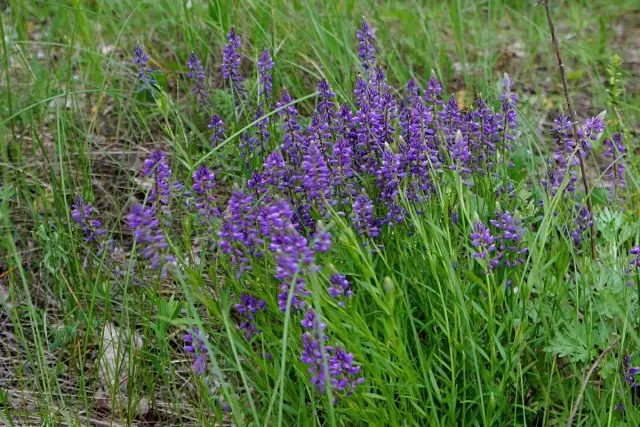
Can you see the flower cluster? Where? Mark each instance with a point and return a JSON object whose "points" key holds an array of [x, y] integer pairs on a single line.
{"points": [[195, 344], [217, 130], [630, 372], [340, 288], [196, 73], [367, 49], [156, 165], [203, 189], [82, 214], [247, 309], [231, 64], [582, 222], [144, 72], [147, 232], [504, 245], [484, 243], [635, 262], [565, 158], [340, 371], [369, 163], [265, 65]]}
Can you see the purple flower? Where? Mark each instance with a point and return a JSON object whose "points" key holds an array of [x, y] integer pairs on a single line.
{"points": [[314, 323], [367, 49], [565, 158], [316, 175], [565, 155], [555, 178], [582, 222], [419, 152], [509, 102], [195, 344], [265, 65], [156, 165], [389, 177], [362, 216], [231, 64], [321, 240], [433, 92], [504, 245], [340, 288], [342, 174], [205, 201], [630, 371], [509, 235], [247, 309], [342, 374], [239, 233], [196, 73], [82, 213], [615, 150], [591, 131], [217, 130], [636, 252], [290, 250], [144, 72], [276, 173], [150, 236], [483, 241]]}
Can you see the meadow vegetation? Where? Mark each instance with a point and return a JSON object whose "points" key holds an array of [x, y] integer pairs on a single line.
{"points": [[319, 213]]}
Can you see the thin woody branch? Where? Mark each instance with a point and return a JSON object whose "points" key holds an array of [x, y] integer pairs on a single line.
{"points": [[574, 122]]}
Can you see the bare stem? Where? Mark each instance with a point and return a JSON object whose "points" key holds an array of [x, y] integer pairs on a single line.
{"points": [[574, 122]]}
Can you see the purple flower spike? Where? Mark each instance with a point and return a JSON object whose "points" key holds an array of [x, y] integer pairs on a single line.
{"points": [[239, 234], [292, 143], [82, 213], [502, 247], [316, 177], [636, 252], [509, 235], [362, 216], [433, 92], [367, 50], [194, 343], [196, 73], [231, 64], [313, 322], [217, 130], [342, 374], [265, 65], [509, 102], [590, 132], [482, 240], [340, 288], [148, 234], [156, 165], [582, 222], [630, 372], [321, 240], [205, 201], [248, 307], [144, 72]]}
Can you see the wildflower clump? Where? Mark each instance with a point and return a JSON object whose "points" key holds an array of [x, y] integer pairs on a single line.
{"points": [[305, 204]]}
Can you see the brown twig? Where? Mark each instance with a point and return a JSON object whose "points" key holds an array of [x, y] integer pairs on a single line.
{"points": [[574, 122]]}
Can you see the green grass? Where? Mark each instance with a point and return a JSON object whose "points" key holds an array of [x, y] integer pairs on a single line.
{"points": [[439, 342]]}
